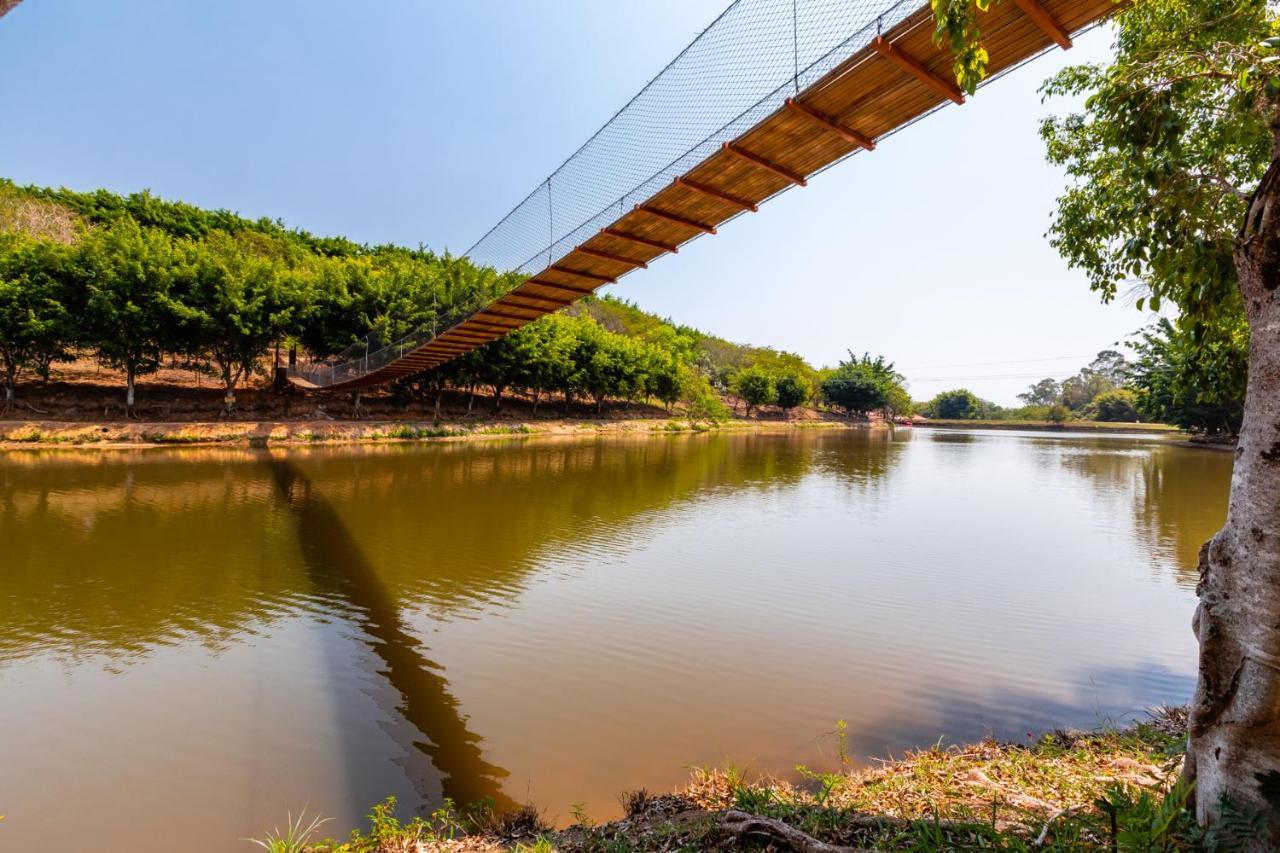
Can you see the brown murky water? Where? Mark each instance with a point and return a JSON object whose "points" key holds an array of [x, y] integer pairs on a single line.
{"points": [[195, 642]]}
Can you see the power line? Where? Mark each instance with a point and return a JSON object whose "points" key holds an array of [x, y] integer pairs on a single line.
{"points": [[996, 363]]}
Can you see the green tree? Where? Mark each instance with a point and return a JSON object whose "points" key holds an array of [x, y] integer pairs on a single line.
{"points": [[666, 375], [701, 401], [791, 390], [238, 304], [1046, 392], [36, 326], [860, 385], [959, 404], [500, 366], [1118, 404], [754, 385], [897, 401], [1176, 183], [1198, 385], [545, 351], [131, 312]]}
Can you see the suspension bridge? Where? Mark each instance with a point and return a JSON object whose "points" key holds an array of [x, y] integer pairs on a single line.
{"points": [[769, 95]]}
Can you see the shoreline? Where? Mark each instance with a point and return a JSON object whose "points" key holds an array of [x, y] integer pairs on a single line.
{"points": [[116, 435], [1062, 791]]}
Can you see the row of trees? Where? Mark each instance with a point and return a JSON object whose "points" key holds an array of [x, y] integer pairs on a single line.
{"points": [[575, 357], [217, 301], [135, 280]]}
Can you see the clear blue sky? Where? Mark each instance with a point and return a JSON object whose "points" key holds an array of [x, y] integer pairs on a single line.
{"points": [[425, 122]]}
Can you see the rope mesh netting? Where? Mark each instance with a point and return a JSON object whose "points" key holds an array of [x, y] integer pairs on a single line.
{"points": [[735, 73]]}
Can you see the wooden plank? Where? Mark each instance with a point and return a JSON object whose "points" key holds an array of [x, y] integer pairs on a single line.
{"points": [[542, 282], [603, 279], [829, 123], [552, 299], [912, 66], [671, 217], [712, 192], [609, 256], [1046, 22], [768, 165], [489, 327], [493, 312]]}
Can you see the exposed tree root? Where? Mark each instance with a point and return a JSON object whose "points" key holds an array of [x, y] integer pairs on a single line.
{"points": [[776, 832]]}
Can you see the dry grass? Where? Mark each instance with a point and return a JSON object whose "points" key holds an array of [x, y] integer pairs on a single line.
{"points": [[37, 218]]}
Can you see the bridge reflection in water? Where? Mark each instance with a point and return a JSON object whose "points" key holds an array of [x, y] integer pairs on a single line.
{"points": [[335, 563]]}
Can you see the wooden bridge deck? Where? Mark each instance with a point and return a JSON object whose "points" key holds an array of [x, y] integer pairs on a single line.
{"points": [[896, 79]]}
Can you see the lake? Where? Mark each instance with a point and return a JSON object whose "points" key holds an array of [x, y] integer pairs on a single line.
{"points": [[196, 641]]}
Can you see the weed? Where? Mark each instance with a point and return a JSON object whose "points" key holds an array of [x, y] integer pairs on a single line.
{"points": [[635, 803], [294, 838]]}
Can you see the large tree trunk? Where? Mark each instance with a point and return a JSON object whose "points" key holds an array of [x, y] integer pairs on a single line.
{"points": [[1234, 749]]}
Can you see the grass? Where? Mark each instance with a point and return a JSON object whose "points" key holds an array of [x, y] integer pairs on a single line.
{"points": [[419, 432], [294, 838], [1112, 790]]}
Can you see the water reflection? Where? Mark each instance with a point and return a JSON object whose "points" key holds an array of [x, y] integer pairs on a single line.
{"points": [[257, 630], [116, 554], [1177, 498], [334, 562]]}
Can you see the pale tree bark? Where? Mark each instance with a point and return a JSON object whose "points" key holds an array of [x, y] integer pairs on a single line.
{"points": [[1234, 747], [10, 383], [130, 380]]}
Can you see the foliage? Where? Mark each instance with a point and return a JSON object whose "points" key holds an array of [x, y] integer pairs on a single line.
{"points": [[897, 402], [131, 310], [294, 838], [238, 302], [755, 386], [958, 404], [35, 324], [136, 278], [702, 402], [1118, 404], [1046, 392], [1166, 152], [1197, 385], [792, 390], [861, 384]]}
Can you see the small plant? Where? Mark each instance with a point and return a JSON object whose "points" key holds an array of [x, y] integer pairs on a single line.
{"points": [[580, 816], [294, 838], [635, 803], [522, 822], [541, 844]]}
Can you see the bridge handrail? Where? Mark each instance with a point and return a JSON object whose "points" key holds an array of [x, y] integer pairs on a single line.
{"points": [[361, 358]]}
